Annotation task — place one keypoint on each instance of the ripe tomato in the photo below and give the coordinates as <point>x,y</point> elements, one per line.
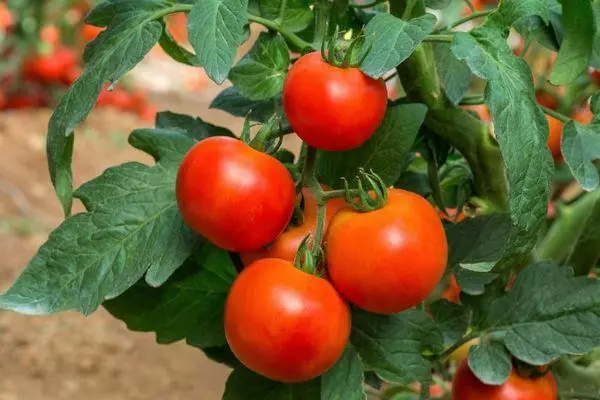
<point>596,76</point>
<point>32,99</point>
<point>554,137</point>
<point>452,291</point>
<point>287,244</point>
<point>90,32</point>
<point>237,197</point>
<point>466,386</point>
<point>148,113</point>
<point>50,34</point>
<point>481,110</point>
<point>583,116</point>
<point>50,68</point>
<point>6,18</point>
<point>332,108</point>
<point>387,260</point>
<point>547,100</point>
<point>284,323</point>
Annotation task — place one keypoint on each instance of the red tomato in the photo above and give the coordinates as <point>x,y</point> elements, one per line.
<point>332,108</point>
<point>452,292</point>
<point>554,137</point>
<point>90,32</point>
<point>583,116</point>
<point>50,68</point>
<point>71,75</point>
<point>26,100</point>
<point>2,101</point>
<point>287,244</point>
<point>466,386</point>
<point>285,324</point>
<point>148,113</point>
<point>596,76</point>
<point>235,196</point>
<point>481,110</point>
<point>547,100</point>
<point>388,260</point>
<point>453,216</point>
<point>6,18</point>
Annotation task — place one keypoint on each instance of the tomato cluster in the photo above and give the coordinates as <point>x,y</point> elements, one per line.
<point>52,66</point>
<point>282,321</point>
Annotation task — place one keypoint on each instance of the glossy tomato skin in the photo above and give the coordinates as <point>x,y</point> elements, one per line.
<point>388,260</point>
<point>285,324</point>
<point>287,244</point>
<point>466,386</point>
<point>332,108</point>
<point>237,197</point>
<point>554,137</point>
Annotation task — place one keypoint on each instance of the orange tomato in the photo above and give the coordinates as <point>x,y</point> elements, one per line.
<point>287,244</point>
<point>481,110</point>
<point>90,32</point>
<point>452,291</point>
<point>554,137</point>
<point>583,116</point>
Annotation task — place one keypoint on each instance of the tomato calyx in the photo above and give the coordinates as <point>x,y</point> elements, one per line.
<point>370,196</point>
<point>309,257</point>
<point>344,53</point>
<point>269,137</point>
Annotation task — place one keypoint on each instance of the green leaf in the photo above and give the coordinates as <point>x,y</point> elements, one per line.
<point>298,15</point>
<point>472,282</point>
<point>512,11</point>
<point>231,101</point>
<point>452,320</point>
<point>478,243</point>
<point>576,49</point>
<point>520,125</point>
<point>260,74</point>
<point>216,29</point>
<point>244,384</point>
<point>394,346</point>
<point>190,305</point>
<point>581,147</point>
<point>133,228</point>
<point>536,325</point>
<point>117,50</point>
<point>391,40</point>
<point>222,355</point>
<point>385,153</point>
<point>195,128</point>
<point>490,362</point>
<point>175,51</point>
<point>345,380</point>
<point>455,75</point>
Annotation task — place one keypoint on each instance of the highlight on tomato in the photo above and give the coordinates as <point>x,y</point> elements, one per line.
<point>235,196</point>
<point>332,108</point>
<point>389,260</point>
<point>467,386</point>
<point>284,323</point>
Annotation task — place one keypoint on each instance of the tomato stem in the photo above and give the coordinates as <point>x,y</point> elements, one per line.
<point>439,38</point>
<point>274,25</point>
<point>470,17</point>
<point>555,114</point>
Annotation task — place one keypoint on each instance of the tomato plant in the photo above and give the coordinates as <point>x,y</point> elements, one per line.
<point>438,243</point>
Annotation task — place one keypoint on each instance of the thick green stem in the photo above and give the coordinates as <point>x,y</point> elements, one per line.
<point>564,235</point>
<point>470,136</point>
<point>439,38</point>
<point>368,5</point>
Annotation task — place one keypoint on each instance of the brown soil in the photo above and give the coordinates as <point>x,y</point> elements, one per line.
<point>68,356</point>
